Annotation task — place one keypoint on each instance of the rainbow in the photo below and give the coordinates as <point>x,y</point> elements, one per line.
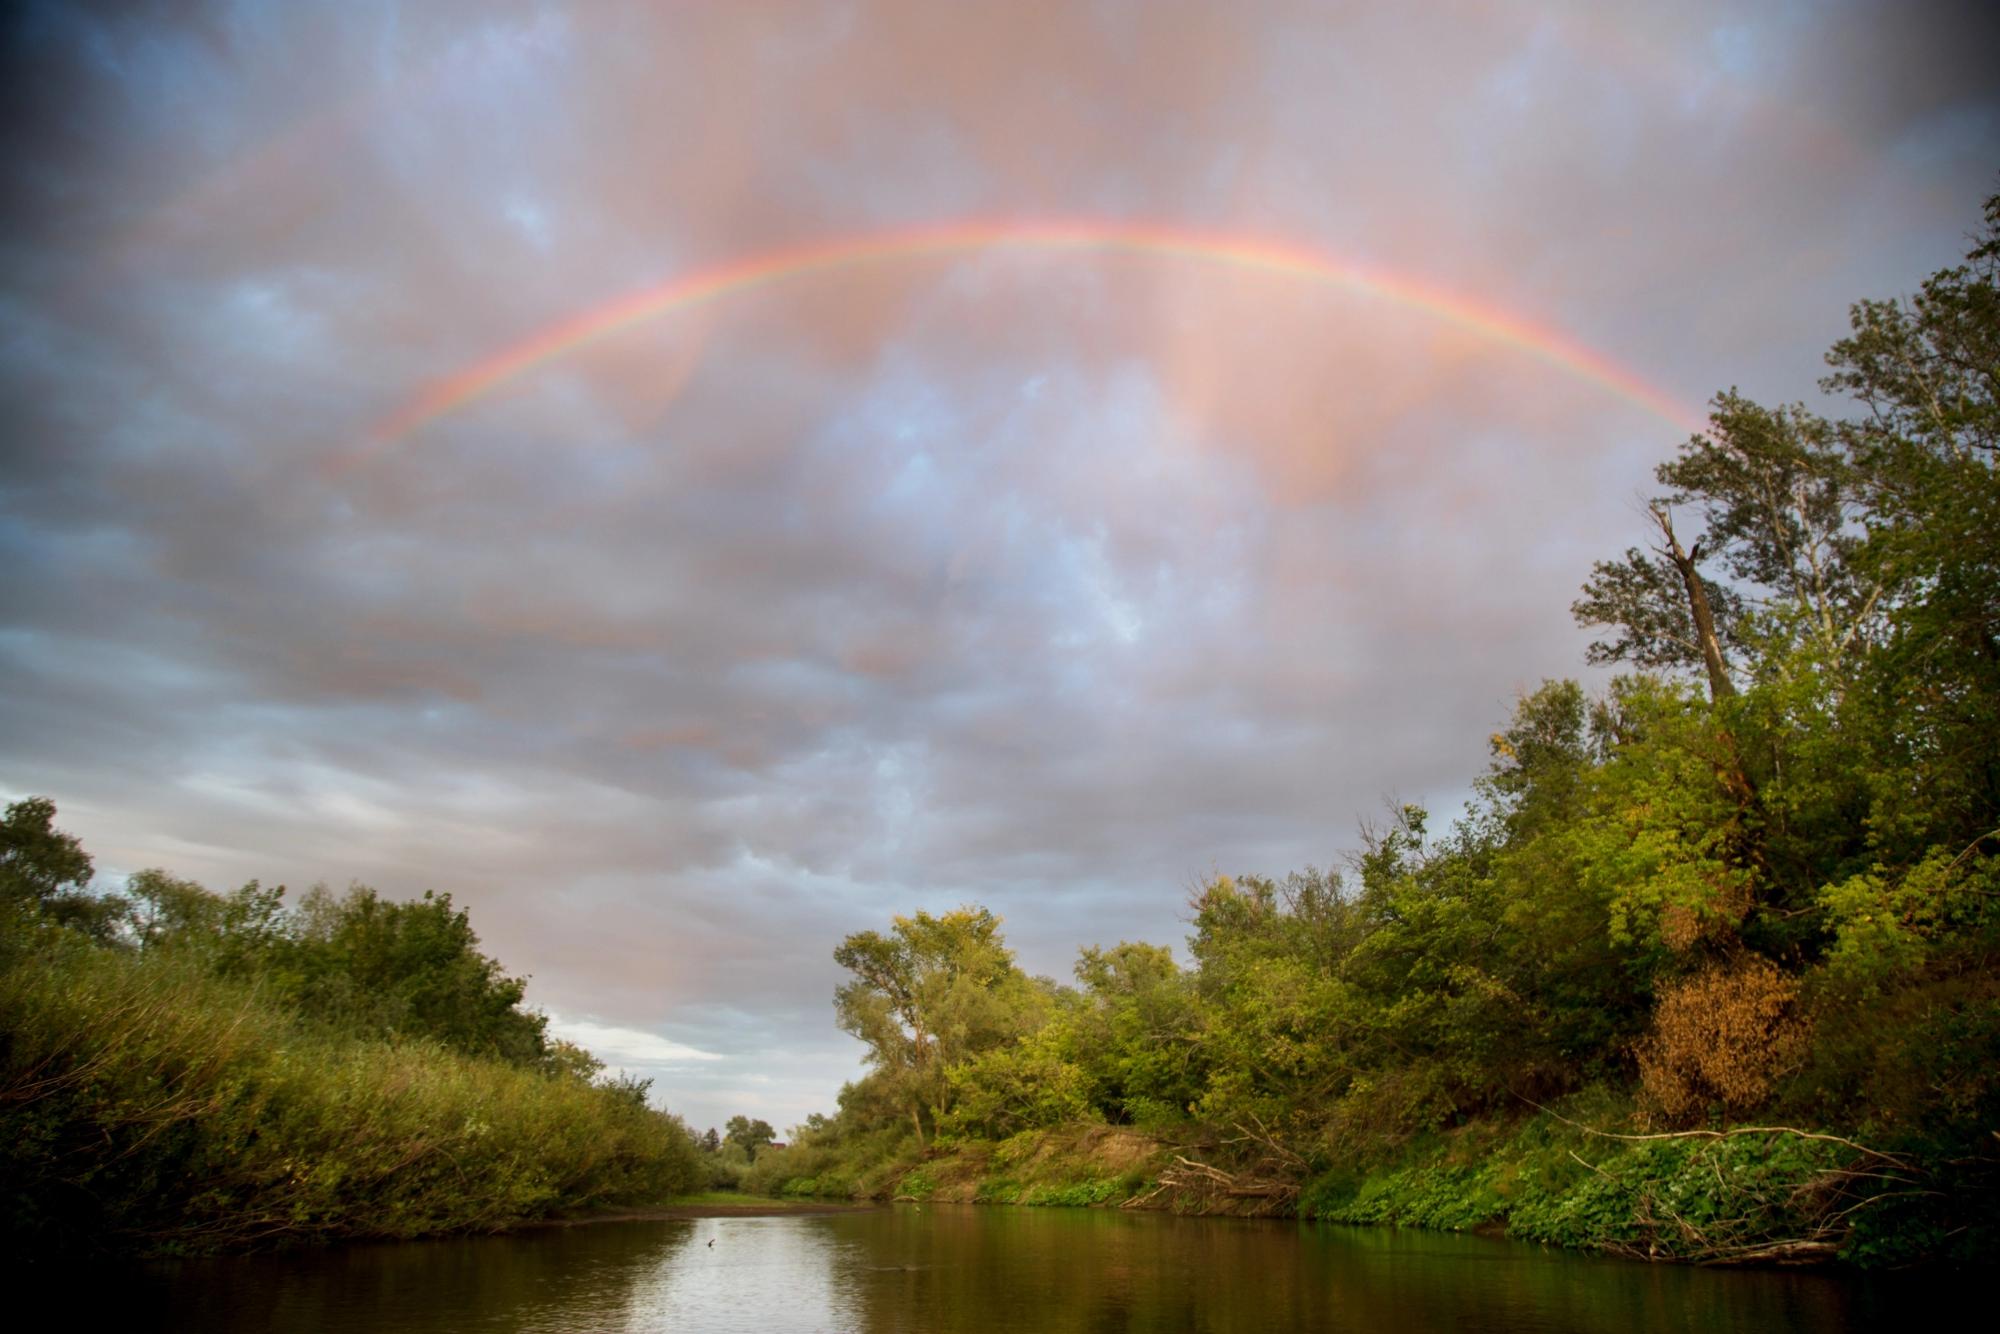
<point>1243,252</point>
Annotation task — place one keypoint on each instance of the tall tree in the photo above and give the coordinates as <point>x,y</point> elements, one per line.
<point>933,991</point>
<point>1928,372</point>
<point>45,870</point>
<point>748,1135</point>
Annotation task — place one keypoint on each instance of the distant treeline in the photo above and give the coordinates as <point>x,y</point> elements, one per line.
<point>183,1071</point>
<point>1733,919</point>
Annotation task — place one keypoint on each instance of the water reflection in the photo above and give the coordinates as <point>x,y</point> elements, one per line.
<point>963,1268</point>
<point>572,1279</point>
<point>764,1274</point>
<point>1092,1271</point>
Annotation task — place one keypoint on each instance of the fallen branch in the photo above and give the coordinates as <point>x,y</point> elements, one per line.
<point>1196,1175</point>
<point>1896,1159</point>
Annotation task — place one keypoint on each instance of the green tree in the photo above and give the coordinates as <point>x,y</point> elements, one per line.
<point>1033,1082</point>
<point>1577,993</point>
<point>387,968</point>
<point>1927,371</point>
<point>46,872</point>
<point>932,992</point>
<point>1140,1033</point>
<point>748,1135</point>
<point>166,908</point>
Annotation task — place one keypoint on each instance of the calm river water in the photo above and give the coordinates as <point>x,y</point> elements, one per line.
<point>935,1269</point>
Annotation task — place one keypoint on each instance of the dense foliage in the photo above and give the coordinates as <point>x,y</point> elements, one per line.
<point>186,1071</point>
<point>1758,876</point>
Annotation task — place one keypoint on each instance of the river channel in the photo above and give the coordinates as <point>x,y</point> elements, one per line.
<point>938,1269</point>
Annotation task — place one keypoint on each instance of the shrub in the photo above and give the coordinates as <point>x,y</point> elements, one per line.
<point>1075,1195</point>
<point>148,1106</point>
<point>1722,1036</point>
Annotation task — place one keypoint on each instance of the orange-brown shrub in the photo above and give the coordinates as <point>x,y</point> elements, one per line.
<point>1725,1035</point>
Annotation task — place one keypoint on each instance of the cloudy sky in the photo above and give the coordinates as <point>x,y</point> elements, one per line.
<point>1046,577</point>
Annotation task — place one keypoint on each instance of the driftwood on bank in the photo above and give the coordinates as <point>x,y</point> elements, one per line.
<point>1273,1176</point>
<point>1189,1174</point>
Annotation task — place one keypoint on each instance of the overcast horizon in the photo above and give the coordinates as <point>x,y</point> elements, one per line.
<point>1046,576</point>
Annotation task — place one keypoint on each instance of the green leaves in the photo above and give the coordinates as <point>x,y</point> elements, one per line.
<point>1660,827</point>
<point>933,993</point>
<point>45,875</point>
<point>749,1135</point>
<point>38,861</point>
<point>410,969</point>
<point>1887,921</point>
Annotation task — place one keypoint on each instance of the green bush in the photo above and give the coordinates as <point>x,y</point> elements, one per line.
<point>1439,1196</point>
<point>1076,1195</point>
<point>997,1190</point>
<point>1329,1194</point>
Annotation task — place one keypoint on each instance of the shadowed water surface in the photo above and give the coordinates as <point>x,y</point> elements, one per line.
<point>952,1268</point>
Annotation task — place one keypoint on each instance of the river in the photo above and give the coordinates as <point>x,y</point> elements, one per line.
<point>936,1269</point>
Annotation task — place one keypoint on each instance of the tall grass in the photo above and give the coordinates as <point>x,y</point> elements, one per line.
<point>146,1105</point>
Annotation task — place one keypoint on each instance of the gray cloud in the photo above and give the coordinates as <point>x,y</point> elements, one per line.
<point>1046,581</point>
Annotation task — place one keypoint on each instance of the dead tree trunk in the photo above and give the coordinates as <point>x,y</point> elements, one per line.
<point>1719,685</point>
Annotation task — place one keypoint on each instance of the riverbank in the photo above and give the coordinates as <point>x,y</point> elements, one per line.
<point>152,1104</point>
<point>1746,1195</point>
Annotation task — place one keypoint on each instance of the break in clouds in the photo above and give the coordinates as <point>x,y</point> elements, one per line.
<point>1040,579</point>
